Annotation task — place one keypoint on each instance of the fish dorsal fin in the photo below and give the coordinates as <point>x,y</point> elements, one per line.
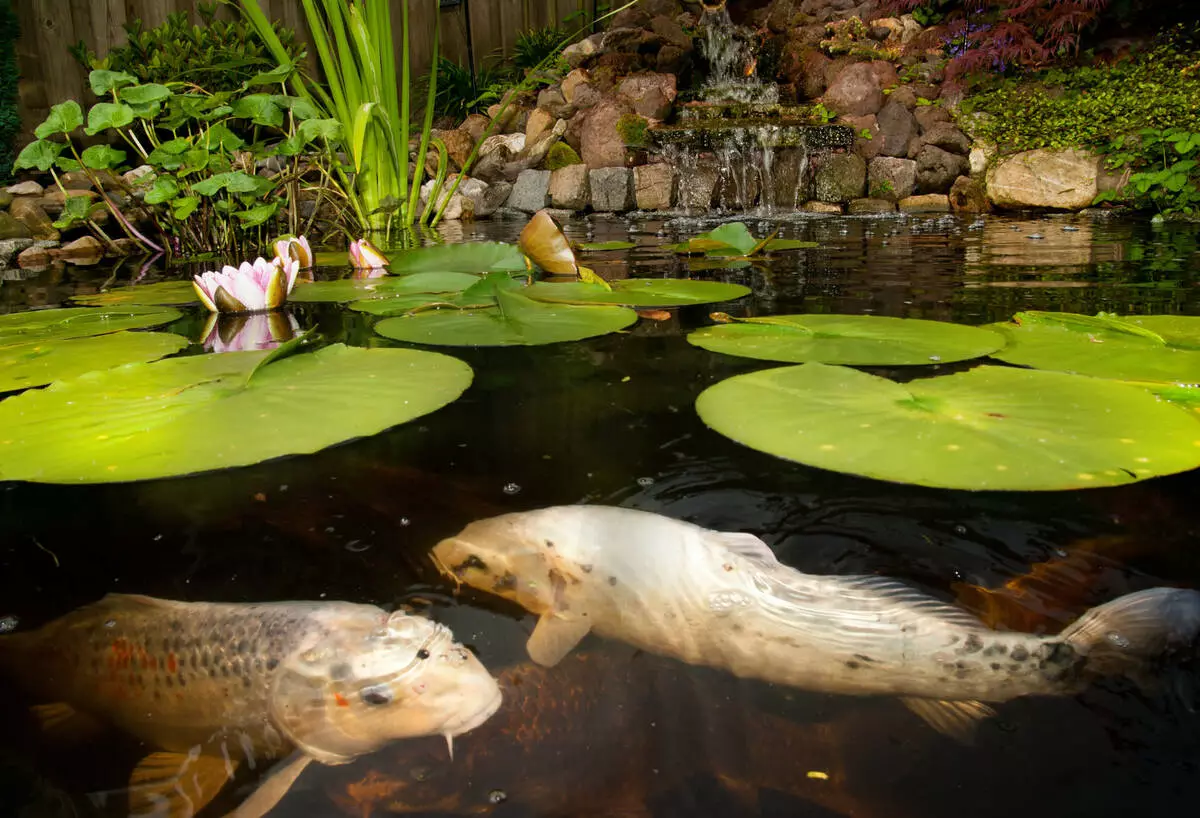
<point>63,724</point>
<point>553,638</point>
<point>746,545</point>
<point>177,785</point>
<point>956,719</point>
<point>269,793</point>
<point>890,592</point>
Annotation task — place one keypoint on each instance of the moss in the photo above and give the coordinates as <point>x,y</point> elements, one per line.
<point>632,129</point>
<point>10,120</point>
<point>561,154</point>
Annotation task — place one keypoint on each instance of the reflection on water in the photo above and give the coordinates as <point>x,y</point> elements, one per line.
<point>610,420</point>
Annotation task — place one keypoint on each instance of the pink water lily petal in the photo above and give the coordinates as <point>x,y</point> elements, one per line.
<point>248,290</point>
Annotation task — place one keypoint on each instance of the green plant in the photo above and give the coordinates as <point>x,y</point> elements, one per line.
<point>533,47</point>
<point>458,94</point>
<point>219,55</point>
<point>561,155</point>
<point>10,121</point>
<point>822,115</point>
<point>633,130</point>
<point>1166,162</point>
<point>883,190</point>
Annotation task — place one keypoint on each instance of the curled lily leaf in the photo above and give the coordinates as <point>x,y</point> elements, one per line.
<point>544,243</point>
<point>263,285</point>
<point>366,256</point>
<point>243,333</point>
<point>295,248</point>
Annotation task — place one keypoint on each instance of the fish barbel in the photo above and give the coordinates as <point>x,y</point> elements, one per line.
<point>212,686</point>
<point>722,599</point>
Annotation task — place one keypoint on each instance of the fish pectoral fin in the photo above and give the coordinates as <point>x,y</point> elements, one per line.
<point>746,545</point>
<point>554,637</point>
<point>269,793</point>
<point>59,722</point>
<point>177,785</point>
<point>956,719</point>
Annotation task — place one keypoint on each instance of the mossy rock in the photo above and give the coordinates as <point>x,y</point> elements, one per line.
<point>633,130</point>
<point>561,155</point>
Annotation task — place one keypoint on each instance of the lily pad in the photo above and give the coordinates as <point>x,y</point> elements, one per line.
<point>734,240</point>
<point>993,428</point>
<point>1158,348</point>
<point>638,292</point>
<point>400,304</point>
<point>355,289</point>
<point>515,321</point>
<point>469,257</point>
<point>860,340</point>
<point>601,246</point>
<point>79,322</point>
<point>41,362</point>
<point>205,412</point>
<point>166,293</point>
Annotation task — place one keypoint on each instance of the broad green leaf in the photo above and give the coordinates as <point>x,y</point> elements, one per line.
<point>204,412</point>
<point>638,292</point>
<point>64,118</point>
<point>469,257</point>
<point>38,363</point>
<point>736,235</point>
<point>261,109</point>
<point>234,181</point>
<point>300,107</point>
<point>257,215</point>
<point>75,209</point>
<point>105,115</point>
<point>67,164</point>
<point>355,289</point>
<point>598,246</point>
<point>275,76</point>
<point>166,293</point>
<point>990,428</point>
<point>79,322</point>
<point>100,157</point>
<point>164,189</point>
<point>219,137</point>
<point>104,82</point>
<point>184,206</point>
<point>1161,348</point>
<point>311,129</point>
<point>860,340</point>
<point>400,304</point>
<point>514,321</point>
<point>146,94</point>
<point>169,155</point>
<point>39,154</point>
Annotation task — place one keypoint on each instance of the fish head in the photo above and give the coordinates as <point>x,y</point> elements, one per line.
<point>362,684</point>
<point>512,556</point>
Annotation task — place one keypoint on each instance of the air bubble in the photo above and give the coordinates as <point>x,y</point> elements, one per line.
<point>8,624</point>
<point>960,529</point>
<point>511,488</point>
<point>724,602</point>
<point>1117,639</point>
<point>497,796</point>
<point>405,521</point>
<point>645,482</point>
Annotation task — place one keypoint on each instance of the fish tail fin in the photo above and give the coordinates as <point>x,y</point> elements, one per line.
<point>1139,635</point>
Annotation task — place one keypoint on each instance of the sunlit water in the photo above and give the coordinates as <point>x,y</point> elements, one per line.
<point>611,420</point>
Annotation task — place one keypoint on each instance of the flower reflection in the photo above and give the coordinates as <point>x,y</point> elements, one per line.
<point>242,333</point>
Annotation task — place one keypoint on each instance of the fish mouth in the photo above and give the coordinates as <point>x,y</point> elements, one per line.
<point>469,723</point>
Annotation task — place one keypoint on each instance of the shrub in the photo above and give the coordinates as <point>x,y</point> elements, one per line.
<point>458,96</point>
<point>561,155</point>
<point>218,55</point>
<point>10,120</point>
<point>532,47</point>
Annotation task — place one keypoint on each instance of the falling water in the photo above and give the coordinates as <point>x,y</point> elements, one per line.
<point>729,51</point>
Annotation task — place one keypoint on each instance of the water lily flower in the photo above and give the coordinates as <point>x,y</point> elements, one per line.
<point>243,333</point>
<point>366,256</point>
<point>263,285</point>
<point>297,248</point>
<point>543,242</point>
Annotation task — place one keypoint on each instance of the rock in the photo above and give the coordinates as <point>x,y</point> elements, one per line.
<point>891,178</point>
<point>34,258</point>
<point>131,177</point>
<point>612,189</point>
<point>653,186</point>
<point>126,247</point>
<point>553,101</point>
<point>867,207</point>
<point>574,134</point>
<point>855,91</point>
<point>26,210</point>
<point>663,8</point>
<point>670,30</point>
<point>587,96</point>
<point>1060,179</point>
<point>10,247</point>
<point>535,153</point>
<point>981,154</point>
<point>929,115</point>
<point>53,200</point>
<point>475,125</point>
<point>927,203</point>
<point>458,145</point>
<point>650,95</point>
<point>572,81</point>
<point>811,77</point>
<point>840,177</point>
<point>601,145</point>
<point>672,59</point>
<point>865,146</point>
<point>577,53</point>
<point>84,251</point>
<point>26,188</point>
<point>505,146</point>
<point>968,196</point>
<point>531,191</point>
<point>937,169</point>
<point>11,228</point>
<point>75,180</point>
<point>540,121</point>
<point>896,127</point>
<point>633,17</point>
<point>822,207</point>
<point>779,15</point>
<point>625,40</point>
<point>458,203</point>
<point>5,199</point>
<point>698,186</point>
<point>560,155</point>
<point>1112,180</point>
<point>569,188</point>
<point>903,95</point>
<point>885,73</point>
<point>947,137</point>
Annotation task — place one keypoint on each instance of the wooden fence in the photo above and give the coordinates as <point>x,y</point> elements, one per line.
<point>49,74</point>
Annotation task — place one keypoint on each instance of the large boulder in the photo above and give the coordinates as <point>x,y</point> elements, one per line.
<point>855,90</point>
<point>967,195</point>
<point>571,82</point>
<point>867,141</point>
<point>947,137</point>
<point>10,228</point>
<point>925,203</point>
<point>891,178</point>
<point>929,115</point>
<point>804,67</point>
<point>569,188</point>
<point>612,189</point>
<point>600,143</point>
<point>937,169</point>
<point>29,212</point>
<point>540,121</point>
<point>896,127</point>
<point>531,192</point>
<point>458,145</point>
<point>653,186</point>
<point>839,178</point>
<point>650,95</point>
<point>1059,179</point>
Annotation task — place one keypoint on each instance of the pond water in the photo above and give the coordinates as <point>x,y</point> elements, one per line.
<point>612,731</point>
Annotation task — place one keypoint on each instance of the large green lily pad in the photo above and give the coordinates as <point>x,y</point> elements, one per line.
<point>166,293</point>
<point>79,322</point>
<point>734,239</point>
<point>469,257</point>
<point>515,321</point>
<point>355,289</point>
<point>205,412</point>
<point>1151,348</point>
<point>995,428</point>
<point>860,340</point>
<point>41,362</point>
<point>638,292</point>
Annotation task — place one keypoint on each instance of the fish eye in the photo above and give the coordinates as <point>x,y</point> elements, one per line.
<point>376,695</point>
<point>422,654</point>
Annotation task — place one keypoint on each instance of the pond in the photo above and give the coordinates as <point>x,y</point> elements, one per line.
<point>611,730</point>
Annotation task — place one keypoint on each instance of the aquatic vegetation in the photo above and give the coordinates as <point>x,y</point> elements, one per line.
<point>248,332</point>
<point>734,240</point>
<point>994,428</point>
<point>79,322</point>
<point>545,244</point>
<point>296,248</point>
<point>37,363</point>
<point>859,340</point>
<point>366,256</point>
<point>192,414</point>
<point>163,293</point>
<point>470,257</point>
<point>352,289</point>
<point>638,292</point>
<point>263,285</point>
